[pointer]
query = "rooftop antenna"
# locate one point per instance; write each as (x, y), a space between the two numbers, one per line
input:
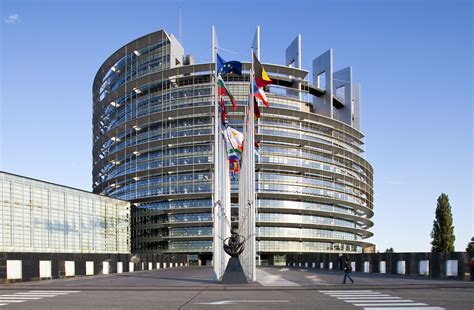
(180, 28)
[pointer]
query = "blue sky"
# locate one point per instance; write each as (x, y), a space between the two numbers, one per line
(412, 58)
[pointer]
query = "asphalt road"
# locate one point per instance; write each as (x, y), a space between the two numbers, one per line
(278, 288)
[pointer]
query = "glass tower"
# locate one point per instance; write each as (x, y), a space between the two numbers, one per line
(152, 131)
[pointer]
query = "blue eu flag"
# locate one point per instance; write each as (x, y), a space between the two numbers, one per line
(224, 67)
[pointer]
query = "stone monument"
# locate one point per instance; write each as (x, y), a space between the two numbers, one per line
(234, 246)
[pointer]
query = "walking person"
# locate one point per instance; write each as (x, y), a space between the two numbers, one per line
(347, 271)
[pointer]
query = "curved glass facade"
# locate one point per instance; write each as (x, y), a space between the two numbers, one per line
(153, 145)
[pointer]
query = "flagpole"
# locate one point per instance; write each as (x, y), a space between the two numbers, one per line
(252, 173)
(216, 193)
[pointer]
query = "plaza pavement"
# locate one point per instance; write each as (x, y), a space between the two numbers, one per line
(276, 288)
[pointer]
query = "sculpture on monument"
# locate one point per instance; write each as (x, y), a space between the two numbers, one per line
(234, 246)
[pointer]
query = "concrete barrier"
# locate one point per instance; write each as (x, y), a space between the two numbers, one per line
(105, 267)
(70, 268)
(89, 268)
(366, 266)
(452, 268)
(454, 265)
(424, 267)
(14, 270)
(401, 267)
(45, 269)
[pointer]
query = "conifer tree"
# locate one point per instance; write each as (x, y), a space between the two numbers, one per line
(443, 229)
(470, 246)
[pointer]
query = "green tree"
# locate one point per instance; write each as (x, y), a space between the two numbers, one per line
(470, 246)
(391, 250)
(443, 229)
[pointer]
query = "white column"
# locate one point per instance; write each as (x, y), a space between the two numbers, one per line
(215, 198)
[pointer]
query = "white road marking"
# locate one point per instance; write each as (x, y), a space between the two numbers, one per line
(34, 295)
(360, 295)
(367, 298)
(377, 301)
(18, 297)
(54, 292)
(47, 293)
(345, 291)
(352, 293)
(232, 302)
(58, 291)
(30, 296)
(405, 308)
(401, 304)
(381, 301)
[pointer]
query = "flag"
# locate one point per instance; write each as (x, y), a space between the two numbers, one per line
(260, 93)
(234, 138)
(256, 110)
(233, 169)
(223, 90)
(260, 74)
(232, 67)
(224, 120)
(234, 166)
(234, 157)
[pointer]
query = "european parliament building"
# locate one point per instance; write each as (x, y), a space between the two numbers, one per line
(153, 146)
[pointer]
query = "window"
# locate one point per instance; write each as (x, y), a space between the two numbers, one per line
(321, 81)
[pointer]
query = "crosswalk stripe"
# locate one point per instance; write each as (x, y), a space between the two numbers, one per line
(400, 304)
(353, 292)
(347, 293)
(405, 308)
(48, 293)
(39, 294)
(338, 291)
(367, 298)
(43, 291)
(350, 296)
(45, 294)
(381, 301)
(34, 295)
(373, 300)
(19, 297)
